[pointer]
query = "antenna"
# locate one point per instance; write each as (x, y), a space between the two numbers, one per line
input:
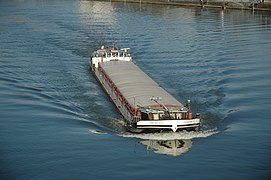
(155, 99)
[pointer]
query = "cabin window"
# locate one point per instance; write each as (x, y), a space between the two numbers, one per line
(161, 116)
(144, 116)
(178, 116)
(155, 116)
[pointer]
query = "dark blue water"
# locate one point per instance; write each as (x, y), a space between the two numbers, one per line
(57, 123)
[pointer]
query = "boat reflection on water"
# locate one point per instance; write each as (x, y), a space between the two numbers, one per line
(169, 143)
(168, 147)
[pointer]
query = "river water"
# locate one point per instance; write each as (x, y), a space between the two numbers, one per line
(57, 123)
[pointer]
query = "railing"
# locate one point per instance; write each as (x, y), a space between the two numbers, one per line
(122, 99)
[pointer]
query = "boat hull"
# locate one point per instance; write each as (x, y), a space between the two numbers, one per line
(136, 124)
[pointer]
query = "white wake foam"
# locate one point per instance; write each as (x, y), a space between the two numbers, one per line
(93, 131)
(184, 135)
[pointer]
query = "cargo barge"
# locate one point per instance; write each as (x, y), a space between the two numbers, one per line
(143, 103)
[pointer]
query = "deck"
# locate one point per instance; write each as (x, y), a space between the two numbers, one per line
(135, 85)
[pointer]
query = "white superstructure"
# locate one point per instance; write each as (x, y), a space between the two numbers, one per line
(110, 54)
